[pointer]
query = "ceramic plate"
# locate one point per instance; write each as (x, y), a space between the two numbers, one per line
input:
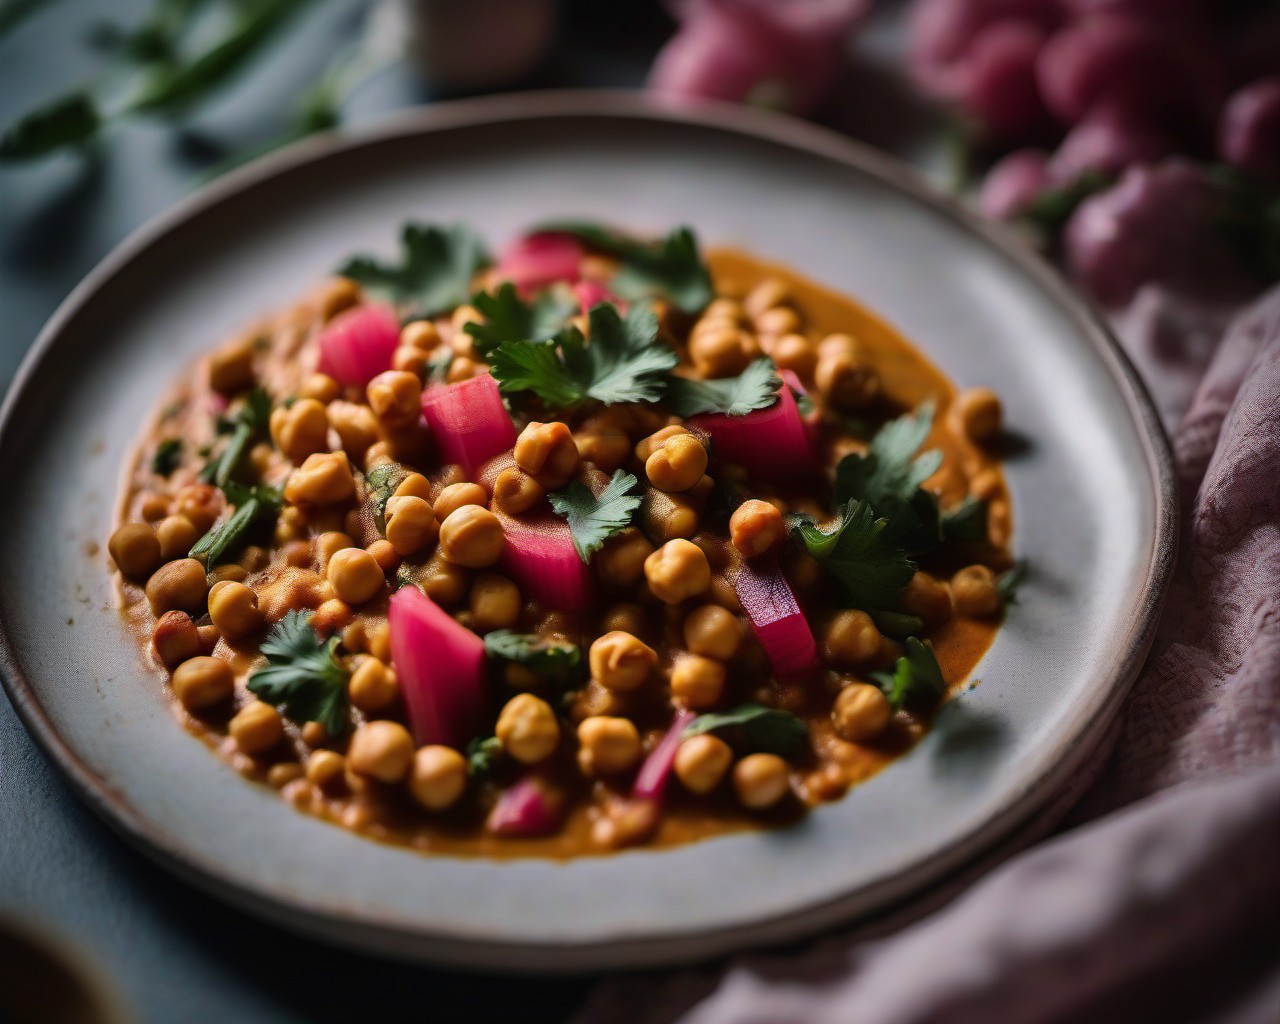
(1091, 497)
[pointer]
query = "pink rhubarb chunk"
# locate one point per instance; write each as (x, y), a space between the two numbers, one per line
(469, 422)
(776, 618)
(771, 444)
(358, 344)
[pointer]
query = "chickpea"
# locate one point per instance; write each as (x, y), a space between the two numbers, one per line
(326, 768)
(677, 570)
(373, 685)
(444, 582)
(852, 640)
(793, 352)
(845, 382)
(238, 573)
(356, 426)
(547, 452)
(337, 295)
(625, 617)
(154, 506)
(974, 591)
(233, 607)
(320, 386)
(354, 637)
(231, 367)
(767, 294)
(322, 479)
(724, 309)
(202, 682)
(135, 548)
(329, 544)
(256, 728)
(979, 414)
(378, 636)
(332, 615)
(201, 503)
(180, 584)
(701, 763)
(756, 527)
(761, 780)
(528, 728)
(861, 713)
(621, 662)
(677, 463)
(719, 351)
(300, 430)
(355, 575)
(722, 593)
(495, 603)
(396, 398)
(608, 745)
(175, 638)
(987, 485)
(654, 441)
(381, 750)
(454, 496)
(928, 598)
(314, 734)
(712, 632)
(472, 536)
(697, 682)
(280, 775)
(515, 491)
(607, 449)
(438, 777)
(411, 525)
(420, 334)
(778, 321)
(667, 517)
(461, 368)
(408, 359)
(385, 554)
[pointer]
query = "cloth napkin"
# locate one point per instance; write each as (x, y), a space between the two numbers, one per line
(1157, 898)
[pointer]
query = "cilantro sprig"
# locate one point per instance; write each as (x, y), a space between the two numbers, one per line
(671, 267)
(869, 567)
(509, 318)
(594, 520)
(916, 680)
(434, 273)
(561, 663)
(622, 362)
(381, 483)
(253, 507)
(483, 754)
(754, 728)
(755, 388)
(249, 422)
(167, 456)
(302, 674)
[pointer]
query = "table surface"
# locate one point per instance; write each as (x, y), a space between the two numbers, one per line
(172, 953)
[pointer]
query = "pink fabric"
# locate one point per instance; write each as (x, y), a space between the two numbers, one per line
(1161, 902)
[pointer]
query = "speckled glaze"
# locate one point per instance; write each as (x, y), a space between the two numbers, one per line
(1092, 491)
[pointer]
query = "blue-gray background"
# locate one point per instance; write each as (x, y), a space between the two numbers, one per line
(173, 954)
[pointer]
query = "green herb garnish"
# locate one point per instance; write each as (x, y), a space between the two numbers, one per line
(68, 121)
(561, 663)
(509, 318)
(165, 459)
(381, 482)
(435, 272)
(966, 523)
(672, 267)
(870, 569)
(483, 755)
(249, 422)
(623, 362)
(1009, 582)
(302, 674)
(755, 388)
(916, 680)
(754, 728)
(253, 506)
(594, 520)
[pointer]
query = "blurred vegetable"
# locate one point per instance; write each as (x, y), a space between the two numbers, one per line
(1013, 184)
(1249, 132)
(1107, 140)
(775, 54)
(999, 83)
(531, 807)
(68, 121)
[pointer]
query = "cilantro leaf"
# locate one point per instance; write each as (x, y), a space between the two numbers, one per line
(434, 275)
(622, 362)
(249, 422)
(965, 523)
(253, 507)
(483, 755)
(594, 520)
(510, 318)
(382, 481)
(560, 662)
(302, 674)
(753, 728)
(916, 679)
(755, 388)
(671, 267)
(1007, 583)
(166, 457)
(870, 569)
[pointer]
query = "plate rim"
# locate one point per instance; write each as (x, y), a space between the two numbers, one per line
(435, 946)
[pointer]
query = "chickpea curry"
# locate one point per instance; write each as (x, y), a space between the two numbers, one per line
(605, 542)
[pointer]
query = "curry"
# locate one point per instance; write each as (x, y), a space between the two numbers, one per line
(601, 544)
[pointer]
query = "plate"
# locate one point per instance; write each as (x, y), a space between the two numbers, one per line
(1092, 500)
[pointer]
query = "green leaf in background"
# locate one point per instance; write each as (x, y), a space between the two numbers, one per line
(754, 728)
(671, 268)
(167, 456)
(1008, 583)
(1051, 209)
(434, 274)
(594, 520)
(916, 680)
(755, 388)
(68, 121)
(965, 523)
